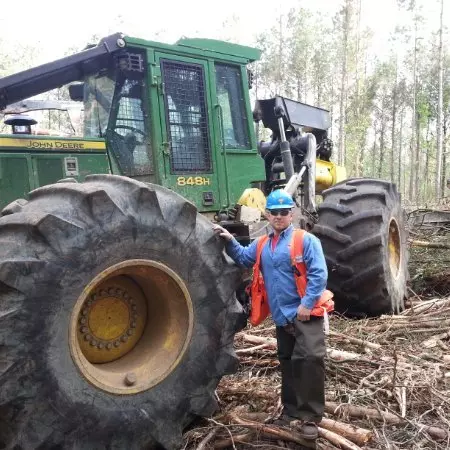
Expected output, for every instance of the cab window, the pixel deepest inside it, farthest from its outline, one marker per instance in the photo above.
(230, 96)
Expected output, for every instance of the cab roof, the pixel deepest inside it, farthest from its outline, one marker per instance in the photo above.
(202, 47)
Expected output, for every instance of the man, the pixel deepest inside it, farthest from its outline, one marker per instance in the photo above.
(300, 335)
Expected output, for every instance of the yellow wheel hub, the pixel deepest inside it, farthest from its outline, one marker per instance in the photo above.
(394, 248)
(131, 326)
(112, 320)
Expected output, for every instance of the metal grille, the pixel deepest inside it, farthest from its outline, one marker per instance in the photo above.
(133, 62)
(186, 116)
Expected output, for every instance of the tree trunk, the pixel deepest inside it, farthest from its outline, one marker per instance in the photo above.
(417, 162)
(437, 181)
(382, 139)
(358, 92)
(332, 108)
(444, 157)
(400, 151)
(299, 89)
(280, 55)
(374, 150)
(394, 116)
(427, 163)
(411, 193)
(342, 103)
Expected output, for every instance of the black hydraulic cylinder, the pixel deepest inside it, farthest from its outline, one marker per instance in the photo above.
(286, 156)
(285, 148)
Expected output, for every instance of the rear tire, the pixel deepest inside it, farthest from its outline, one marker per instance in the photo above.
(362, 230)
(53, 246)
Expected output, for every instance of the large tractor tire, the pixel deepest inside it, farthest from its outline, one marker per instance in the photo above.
(362, 230)
(117, 316)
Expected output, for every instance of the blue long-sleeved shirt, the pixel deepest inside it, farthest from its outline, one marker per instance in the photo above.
(278, 272)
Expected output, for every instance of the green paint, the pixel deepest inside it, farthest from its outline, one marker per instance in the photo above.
(21, 173)
(227, 129)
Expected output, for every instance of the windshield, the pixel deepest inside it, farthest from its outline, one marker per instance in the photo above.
(98, 95)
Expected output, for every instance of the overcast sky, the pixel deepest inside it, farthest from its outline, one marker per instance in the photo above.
(56, 26)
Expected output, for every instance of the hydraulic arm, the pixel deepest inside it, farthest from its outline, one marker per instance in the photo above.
(49, 76)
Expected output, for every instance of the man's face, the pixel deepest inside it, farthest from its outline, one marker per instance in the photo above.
(279, 221)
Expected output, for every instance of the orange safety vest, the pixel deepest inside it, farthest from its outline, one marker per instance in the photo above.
(259, 302)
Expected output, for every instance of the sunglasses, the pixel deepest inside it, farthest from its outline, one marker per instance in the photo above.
(279, 212)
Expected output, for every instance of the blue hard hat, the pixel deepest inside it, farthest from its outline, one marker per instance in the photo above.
(279, 199)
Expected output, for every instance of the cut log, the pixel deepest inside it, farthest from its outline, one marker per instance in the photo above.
(354, 340)
(361, 412)
(270, 342)
(417, 243)
(272, 431)
(242, 438)
(426, 306)
(432, 341)
(359, 436)
(341, 355)
(335, 439)
(387, 417)
(251, 350)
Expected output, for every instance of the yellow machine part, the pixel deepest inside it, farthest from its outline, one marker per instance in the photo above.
(328, 174)
(253, 198)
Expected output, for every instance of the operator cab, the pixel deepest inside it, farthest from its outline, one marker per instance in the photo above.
(176, 115)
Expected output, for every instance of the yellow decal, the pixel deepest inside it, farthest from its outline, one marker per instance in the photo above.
(193, 181)
(52, 144)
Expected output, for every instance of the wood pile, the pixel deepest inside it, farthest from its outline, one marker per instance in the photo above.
(387, 387)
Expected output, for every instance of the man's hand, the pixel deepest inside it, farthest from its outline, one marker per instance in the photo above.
(303, 313)
(222, 232)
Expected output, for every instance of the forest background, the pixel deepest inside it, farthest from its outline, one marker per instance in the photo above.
(382, 68)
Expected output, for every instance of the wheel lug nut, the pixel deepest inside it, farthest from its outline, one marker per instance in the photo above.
(130, 379)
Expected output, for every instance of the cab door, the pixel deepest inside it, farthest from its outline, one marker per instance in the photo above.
(190, 166)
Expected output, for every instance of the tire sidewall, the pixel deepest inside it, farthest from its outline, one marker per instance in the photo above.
(66, 388)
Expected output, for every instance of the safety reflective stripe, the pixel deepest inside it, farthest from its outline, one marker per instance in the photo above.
(325, 303)
(259, 304)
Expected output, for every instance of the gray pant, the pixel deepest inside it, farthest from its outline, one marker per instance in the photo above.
(301, 351)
